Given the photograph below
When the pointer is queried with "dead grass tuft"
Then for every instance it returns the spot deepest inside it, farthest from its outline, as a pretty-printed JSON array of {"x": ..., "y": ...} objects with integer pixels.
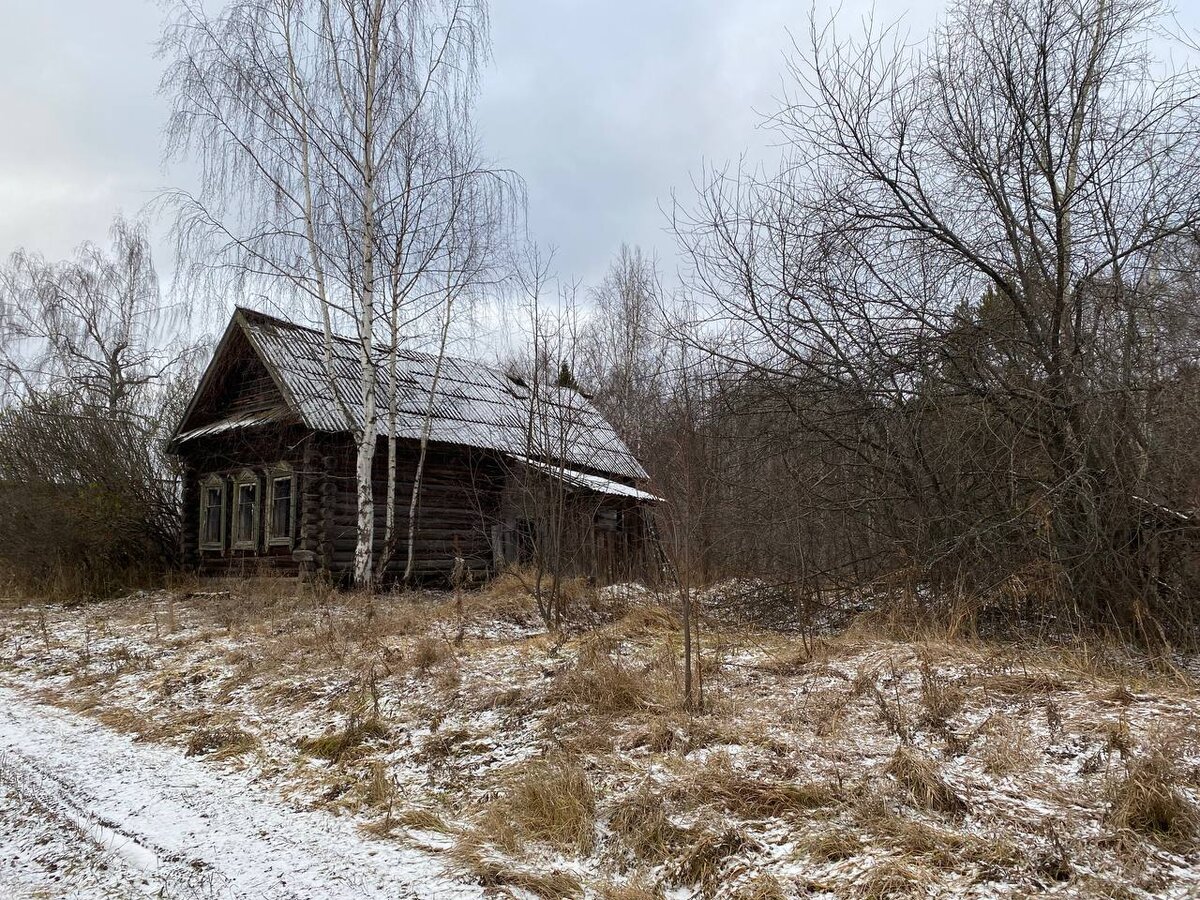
[
  {"x": 633, "y": 889},
  {"x": 491, "y": 872},
  {"x": 661, "y": 734},
  {"x": 548, "y": 800},
  {"x": 919, "y": 775},
  {"x": 761, "y": 887},
  {"x": 890, "y": 879},
  {"x": 1117, "y": 736},
  {"x": 222, "y": 742},
  {"x": 647, "y": 618},
  {"x": 604, "y": 682},
  {"x": 832, "y": 845},
  {"x": 1024, "y": 684},
  {"x": 1149, "y": 799},
  {"x": 640, "y": 823},
  {"x": 760, "y": 798},
  {"x": 420, "y": 818},
  {"x": 427, "y": 653},
  {"x": 1006, "y": 748},
  {"x": 380, "y": 786},
  {"x": 701, "y": 861},
  {"x": 336, "y": 746},
  {"x": 941, "y": 697}
]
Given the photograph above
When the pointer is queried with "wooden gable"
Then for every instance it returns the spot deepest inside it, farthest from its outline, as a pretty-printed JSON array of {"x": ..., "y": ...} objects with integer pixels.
[{"x": 237, "y": 387}]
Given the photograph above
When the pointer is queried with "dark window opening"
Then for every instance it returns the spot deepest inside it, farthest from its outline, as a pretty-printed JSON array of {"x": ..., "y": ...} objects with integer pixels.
[
  {"x": 608, "y": 519},
  {"x": 281, "y": 509},
  {"x": 213, "y": 508},
  {"x": 247, "y": 514}
]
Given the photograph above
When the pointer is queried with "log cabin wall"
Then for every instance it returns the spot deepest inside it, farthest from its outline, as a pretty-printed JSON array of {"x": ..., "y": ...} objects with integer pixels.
[
  {"x": 582, "y": 533},
  {"x": 456, "y": 509},
  {"x": 472, "y": 507},
  {"x": 229, "y": 459}
]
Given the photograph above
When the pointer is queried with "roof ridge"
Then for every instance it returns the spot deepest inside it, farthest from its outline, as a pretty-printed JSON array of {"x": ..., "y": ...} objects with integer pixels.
[{"x": 279, "y": 320}]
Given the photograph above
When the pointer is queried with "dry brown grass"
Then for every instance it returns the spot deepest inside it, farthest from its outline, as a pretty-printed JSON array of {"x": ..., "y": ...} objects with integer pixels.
[
  {"x": 601, "y": 680},
  {"x": 423, "y": 819},
  {"x": 659, "y": 733},
  {"x": 918, "y": 774},
  {"x": 760, "y": 887},
  {"x": 630, "y": 890},
  {"x": 810, "y": 729},
  {"x": 1006, "y": 747},
  {"x": 1117, "y": 736},
  {"x": 941, "y": 697},
  {"x": 1024, "y": 684},
  {"x": 754, "y": 796},
  {"x": 547, "y": 800},
  {"x": 892, "y": 878},
  {"x": 701, "y": 861},
  {"x": 639, "y": 822},
  {"x": 337, "y": 746},
  {"x": 427, "y": 653},
  {"x": 937, "y": 846},
  {"x": 832, "y": 844},
  {"x": 490, "y": 871},
  {"x": 647, "y": 618},
  {"x": 1149, "y": 799},
  {"x": 221, "y": 742}
]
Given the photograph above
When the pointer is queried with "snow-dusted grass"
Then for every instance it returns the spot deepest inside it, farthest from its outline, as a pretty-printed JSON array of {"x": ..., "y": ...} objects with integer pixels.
[{"x": 856, "y": 765}]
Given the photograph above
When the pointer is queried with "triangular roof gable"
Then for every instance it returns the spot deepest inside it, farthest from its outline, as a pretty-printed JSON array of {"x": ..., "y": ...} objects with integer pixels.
[{"x": 217, "y": 374}]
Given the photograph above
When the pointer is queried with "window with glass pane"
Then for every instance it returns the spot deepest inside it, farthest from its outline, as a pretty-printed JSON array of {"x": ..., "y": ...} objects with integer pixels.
[
  {"x": 247, "y": 498},
  {"x": 214, "y": 503},
  {"x": 281, "y": 508}
]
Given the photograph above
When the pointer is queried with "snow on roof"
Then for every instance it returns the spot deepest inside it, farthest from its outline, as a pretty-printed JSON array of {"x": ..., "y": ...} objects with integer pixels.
[
  {"x": 588, "y": 482},
  {"x": 240, "y": 420},
  {"x": 475, "y": 405}
]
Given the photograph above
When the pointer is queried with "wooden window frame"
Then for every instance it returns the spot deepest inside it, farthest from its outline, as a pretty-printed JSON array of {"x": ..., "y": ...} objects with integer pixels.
[
  {"x": 243, "y": 479},
  {"x": 279, "y": 473},
  {"x": 213, "y": 481}
]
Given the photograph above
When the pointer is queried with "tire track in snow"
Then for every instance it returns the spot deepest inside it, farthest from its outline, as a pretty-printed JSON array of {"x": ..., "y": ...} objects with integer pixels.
[{"x": 193, "y": 831}]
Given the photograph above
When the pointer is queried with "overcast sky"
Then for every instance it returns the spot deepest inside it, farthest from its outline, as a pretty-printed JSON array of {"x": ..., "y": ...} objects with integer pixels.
[{"x": 603, "y": 107}]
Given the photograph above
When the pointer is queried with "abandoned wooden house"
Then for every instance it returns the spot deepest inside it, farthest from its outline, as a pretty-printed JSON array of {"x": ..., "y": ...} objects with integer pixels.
[{"x": 515, "y": 473}]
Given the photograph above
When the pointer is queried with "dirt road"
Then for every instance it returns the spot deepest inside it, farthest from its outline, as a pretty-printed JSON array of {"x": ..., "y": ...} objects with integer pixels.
[{"x": 85, "y": 812}]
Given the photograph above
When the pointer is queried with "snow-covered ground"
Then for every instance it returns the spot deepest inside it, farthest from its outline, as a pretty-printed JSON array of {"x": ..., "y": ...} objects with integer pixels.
[
  {"x": 250, "y": 743},
  {"x": 86, "y": 812}
]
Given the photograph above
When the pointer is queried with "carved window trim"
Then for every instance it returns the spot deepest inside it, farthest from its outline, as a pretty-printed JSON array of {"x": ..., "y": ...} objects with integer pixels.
[{"x": 246, "y": 478}]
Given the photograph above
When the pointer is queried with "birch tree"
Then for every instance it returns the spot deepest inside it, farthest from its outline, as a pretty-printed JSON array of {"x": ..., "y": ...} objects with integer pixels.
[
  {"x": 95, "y": 328},
  {"x": 302, "y": 114}
]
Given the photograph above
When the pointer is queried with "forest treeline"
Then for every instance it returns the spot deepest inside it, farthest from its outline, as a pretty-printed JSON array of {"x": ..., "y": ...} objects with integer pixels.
[{"x": 944, "y": 348}]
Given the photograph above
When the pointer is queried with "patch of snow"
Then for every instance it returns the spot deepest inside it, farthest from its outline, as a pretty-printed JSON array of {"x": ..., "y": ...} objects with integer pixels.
[{"x": 186, "y": 830}]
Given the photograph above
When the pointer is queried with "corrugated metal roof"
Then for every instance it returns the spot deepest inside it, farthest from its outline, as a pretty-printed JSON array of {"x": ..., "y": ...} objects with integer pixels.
[
  {"x": 588, "y": 482},
  {"x": 475, "y": 405}
]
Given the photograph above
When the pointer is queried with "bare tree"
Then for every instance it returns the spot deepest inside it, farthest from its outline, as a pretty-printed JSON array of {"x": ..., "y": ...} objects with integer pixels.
[
  {"x": 312, "y": 120},
  {"x": 954, "y": 292},
  {"x": 94, "y": 327},
  {"x": 96, "y": 375},
  {"x": 623, "y": 345}
]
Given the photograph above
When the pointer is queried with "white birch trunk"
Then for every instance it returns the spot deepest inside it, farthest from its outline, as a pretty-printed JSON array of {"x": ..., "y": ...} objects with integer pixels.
[{"x": 365, "y": 545}]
